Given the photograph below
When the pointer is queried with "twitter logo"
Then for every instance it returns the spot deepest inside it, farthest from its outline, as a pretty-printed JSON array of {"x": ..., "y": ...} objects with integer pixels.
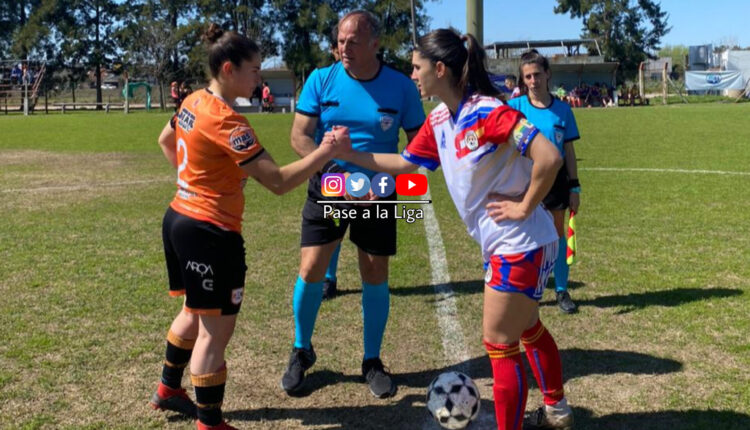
[{"x": 357, "y": 185}]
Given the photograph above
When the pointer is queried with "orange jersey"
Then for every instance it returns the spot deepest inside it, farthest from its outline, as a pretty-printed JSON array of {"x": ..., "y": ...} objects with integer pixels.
[{"x": 213, "y": 141}]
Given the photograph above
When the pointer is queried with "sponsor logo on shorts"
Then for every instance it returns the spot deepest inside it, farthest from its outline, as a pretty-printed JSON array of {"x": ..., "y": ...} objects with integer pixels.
[
  {"x": 241, "y": 138},
  {"x": 237, "y": 294},
  {"x": 200, "y": 268},
  {"x": 208, "y": 284}
]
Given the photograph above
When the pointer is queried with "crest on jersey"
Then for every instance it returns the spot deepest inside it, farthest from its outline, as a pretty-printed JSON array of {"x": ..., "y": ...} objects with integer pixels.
[
  {"x": 559, "y": 136},
  {"x": 471, "y": 140},
  {"x": 241, "y": 138},
  {"x": 237, "y": 296},
  {"x": 386, "y": 122}
]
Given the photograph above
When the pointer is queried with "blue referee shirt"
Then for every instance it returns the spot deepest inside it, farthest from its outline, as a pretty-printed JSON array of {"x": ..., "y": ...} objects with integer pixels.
[
  {"x": 556, "y": 121},
  {"x": 373, "y": 109}
]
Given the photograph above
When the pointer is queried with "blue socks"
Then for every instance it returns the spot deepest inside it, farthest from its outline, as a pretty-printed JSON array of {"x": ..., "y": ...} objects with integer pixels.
[
  {"x": 306, "y": 302},
  {"x": 561, "y": 266},
  {"x": 333, "y": 265},
  {"x": 375, "y": 306}
]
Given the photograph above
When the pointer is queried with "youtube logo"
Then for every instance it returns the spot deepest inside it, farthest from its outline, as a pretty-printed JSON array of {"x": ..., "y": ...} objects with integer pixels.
[{"x": 411, "y": 184}]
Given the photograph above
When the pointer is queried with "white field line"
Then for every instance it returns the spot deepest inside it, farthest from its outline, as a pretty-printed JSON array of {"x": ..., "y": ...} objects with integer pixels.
[
  {"x": 90, "y": 186},
  {"x": 454, "y": 343},
  {"x": 655, "y": 170}
]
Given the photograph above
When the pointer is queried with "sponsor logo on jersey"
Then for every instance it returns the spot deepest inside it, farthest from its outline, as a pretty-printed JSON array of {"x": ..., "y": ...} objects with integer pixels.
[
  {"x": 241, "y": 138},
  {"x": 186, "y": 120},
  {"x": 386, "y": 122}
]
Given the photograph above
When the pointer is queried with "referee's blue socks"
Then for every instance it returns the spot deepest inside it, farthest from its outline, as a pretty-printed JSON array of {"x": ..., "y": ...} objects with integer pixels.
[
  {"x": 561, "y": 266},
  {"x": 375, "y": 307},
  {"x": 307, "y": 299},
  {"x": 333, "y": 265}
]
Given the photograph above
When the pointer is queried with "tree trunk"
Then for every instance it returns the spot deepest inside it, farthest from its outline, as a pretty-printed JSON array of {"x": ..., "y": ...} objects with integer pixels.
[{"x": 98, "y": 58}]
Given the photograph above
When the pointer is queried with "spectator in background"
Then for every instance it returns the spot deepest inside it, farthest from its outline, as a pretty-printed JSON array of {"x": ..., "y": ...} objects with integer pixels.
[
  {"x": 635, "y": 93},
  {"x": 174, "y": 94},
  {"x": 184, "y": 91},
  {"x": 266, "y": 96},
  {"x": 574, "y": 97},
  {"x": 605, "y": 94},
  {"x": 510, "y": 90},
  {"x": 561, "y": 93},
  {"x": 15, "y": 74},
  {"x": 25, "y": 75}
]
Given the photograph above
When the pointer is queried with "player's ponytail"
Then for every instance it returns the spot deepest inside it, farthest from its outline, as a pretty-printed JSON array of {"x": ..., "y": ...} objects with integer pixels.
[
  {"x": 227, "y": 46},
  {"x": 532, "y": 56},
  {"x": 466, "y": 63},
  {"x": 474, "y": 74}
]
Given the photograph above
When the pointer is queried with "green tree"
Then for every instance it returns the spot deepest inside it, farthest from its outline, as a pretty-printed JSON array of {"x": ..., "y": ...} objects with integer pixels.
[
  {"x": 85, "y": 29},
  {"x": 627, "y": 30},
  {"x": 252, "y": 18},
  {"x": 306, "y": 27}
]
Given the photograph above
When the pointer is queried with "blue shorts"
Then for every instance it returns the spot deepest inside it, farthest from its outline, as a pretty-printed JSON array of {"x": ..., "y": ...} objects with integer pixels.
[{"x": 525, "y": 272}]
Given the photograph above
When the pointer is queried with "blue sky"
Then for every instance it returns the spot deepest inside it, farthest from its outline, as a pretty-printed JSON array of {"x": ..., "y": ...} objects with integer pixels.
[{"x": 693, "y": 22}]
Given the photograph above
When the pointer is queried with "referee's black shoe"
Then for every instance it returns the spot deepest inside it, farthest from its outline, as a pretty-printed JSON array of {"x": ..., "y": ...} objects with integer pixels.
[
  {"x": 329, "y": 289},
  {"x": 300, "y": 360},
  {"x": 565, "y": 303}
]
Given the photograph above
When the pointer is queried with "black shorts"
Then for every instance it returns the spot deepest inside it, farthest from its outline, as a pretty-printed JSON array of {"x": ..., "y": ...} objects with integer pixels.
[
  {"x": 205, "y": 263},
  {"x": 374, "y": 236},
  {"x": 559, "y": 196}
]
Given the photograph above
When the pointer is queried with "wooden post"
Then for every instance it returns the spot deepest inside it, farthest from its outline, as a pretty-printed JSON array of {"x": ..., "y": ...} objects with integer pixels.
[
  {"x": 474, "y": 19},
  {"x": 641, "y": 88},
  {"x": 664, "y": 81},
  {"x": 127, "y": 93}
]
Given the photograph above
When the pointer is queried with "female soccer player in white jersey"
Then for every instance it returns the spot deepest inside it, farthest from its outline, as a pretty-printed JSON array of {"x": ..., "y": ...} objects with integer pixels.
[{"x": 486, "y": 147}]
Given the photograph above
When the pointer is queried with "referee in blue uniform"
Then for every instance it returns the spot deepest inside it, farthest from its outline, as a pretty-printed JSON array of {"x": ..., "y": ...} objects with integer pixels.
[{"x": 373, "y": 101}]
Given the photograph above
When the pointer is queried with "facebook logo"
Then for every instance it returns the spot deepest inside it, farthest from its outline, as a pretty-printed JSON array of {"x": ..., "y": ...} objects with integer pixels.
[{"x": 383, "y": 185}]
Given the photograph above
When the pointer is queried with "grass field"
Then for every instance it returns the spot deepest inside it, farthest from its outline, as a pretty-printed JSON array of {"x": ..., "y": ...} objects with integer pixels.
[{"x": 661, "y": 340}]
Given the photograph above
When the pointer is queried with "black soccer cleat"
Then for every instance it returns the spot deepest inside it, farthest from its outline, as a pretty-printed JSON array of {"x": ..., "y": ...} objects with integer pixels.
[
  {"x": 300, "y": 360},
  {"x": 378, "y": 378},
  {"x": 565, "y": 303}
]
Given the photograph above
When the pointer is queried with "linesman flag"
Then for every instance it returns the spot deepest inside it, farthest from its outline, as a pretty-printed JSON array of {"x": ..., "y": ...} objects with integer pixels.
[{"x": 571, "y": 252}]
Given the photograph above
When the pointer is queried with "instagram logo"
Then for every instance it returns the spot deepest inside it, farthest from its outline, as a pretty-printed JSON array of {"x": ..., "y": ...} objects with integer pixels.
[{"x": 332, "y": 185}]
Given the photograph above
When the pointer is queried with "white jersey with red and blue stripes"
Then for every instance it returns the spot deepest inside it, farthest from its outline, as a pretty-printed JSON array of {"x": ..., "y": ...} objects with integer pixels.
[{"x": 481, "y": 151}]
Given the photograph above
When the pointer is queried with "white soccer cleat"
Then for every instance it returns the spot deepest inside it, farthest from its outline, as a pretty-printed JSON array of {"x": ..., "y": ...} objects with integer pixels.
[{"x": 558, "y": 416}]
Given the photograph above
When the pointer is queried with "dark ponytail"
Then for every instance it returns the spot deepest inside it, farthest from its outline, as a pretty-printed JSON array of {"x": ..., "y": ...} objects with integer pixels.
[
  {"x": 466, "y": 63},
  {"x": 227, "y": 46},
  {"x": 532, "y": 56}
]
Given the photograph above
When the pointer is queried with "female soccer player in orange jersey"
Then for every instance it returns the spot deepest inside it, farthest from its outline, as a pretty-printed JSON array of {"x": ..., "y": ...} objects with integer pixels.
[{"x": 214, "y": 150}]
